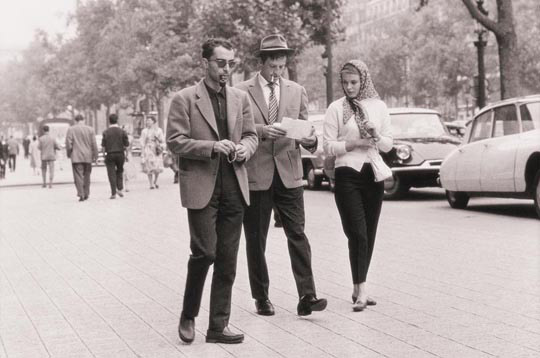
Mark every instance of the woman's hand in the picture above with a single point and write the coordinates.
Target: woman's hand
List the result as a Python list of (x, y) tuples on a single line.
[(370, 128)]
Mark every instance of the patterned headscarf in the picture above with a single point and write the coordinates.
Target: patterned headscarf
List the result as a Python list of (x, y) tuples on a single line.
[(367, 90)]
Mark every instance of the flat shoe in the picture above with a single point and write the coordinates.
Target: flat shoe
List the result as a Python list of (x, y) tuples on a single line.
[(370, 301), (359, 306)]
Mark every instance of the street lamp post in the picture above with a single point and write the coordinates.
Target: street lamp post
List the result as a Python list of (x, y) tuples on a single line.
[(480, 45)]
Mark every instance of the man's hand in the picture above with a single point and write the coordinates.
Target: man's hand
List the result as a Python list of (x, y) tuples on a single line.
[(310, 140), (273, 131), (224, 146), (241, 152)]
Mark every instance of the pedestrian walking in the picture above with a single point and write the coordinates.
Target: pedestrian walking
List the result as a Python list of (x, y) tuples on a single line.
[(356, 127), (275, 177), (13, 152), (130, 171), (26, 146), (152, 142), (114, 142), (210, 128), (81, 147), (47, 147), (35, 155), (3, 157)]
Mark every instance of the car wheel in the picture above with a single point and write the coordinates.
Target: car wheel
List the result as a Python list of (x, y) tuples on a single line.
[(457, 199), (537, 194), (394, 188), (313, 181)]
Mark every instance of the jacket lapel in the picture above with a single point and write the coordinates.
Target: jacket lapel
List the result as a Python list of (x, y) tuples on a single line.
[(283, 99), (255, 91), (232, 108), (205, 106)]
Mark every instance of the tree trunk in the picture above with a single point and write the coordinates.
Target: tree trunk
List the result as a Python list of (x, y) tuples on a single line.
[(509, 65), (505, 33), (329, 72), (292, 69)]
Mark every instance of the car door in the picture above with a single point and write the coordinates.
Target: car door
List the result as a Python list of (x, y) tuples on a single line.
[(498, 160), (470, 155)]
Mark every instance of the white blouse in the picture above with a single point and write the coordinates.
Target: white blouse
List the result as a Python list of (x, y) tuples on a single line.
[(336, 133)]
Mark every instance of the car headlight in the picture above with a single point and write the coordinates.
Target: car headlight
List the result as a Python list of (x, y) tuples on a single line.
[(403, 152)]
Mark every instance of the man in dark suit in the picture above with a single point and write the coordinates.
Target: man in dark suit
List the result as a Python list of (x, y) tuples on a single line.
[(81, 147), (275, 177), (114, 142), (210, 127)]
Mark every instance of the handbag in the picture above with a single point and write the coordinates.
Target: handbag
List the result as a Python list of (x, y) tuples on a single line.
[(380, 169)]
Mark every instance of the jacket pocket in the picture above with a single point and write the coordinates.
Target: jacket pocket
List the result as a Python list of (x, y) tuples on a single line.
[(296, 163)]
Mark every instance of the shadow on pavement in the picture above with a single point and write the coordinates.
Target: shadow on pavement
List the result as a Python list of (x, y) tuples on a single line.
[(525, 210), (423, 195)]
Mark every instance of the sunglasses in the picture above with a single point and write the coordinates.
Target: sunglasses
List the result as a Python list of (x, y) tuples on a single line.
[(221, 63)]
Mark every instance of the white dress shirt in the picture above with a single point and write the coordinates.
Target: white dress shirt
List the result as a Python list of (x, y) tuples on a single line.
[(266, 89)]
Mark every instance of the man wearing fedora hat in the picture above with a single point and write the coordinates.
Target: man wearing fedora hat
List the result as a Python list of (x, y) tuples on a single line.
[(275, 177)]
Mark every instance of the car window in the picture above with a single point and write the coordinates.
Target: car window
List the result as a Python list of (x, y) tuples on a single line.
[(530, 116), (417, 125), (506, 122), (481, 127)]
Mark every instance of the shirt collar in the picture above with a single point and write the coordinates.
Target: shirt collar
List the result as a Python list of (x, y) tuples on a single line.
[(213, 92), (264, 83), (113, 125)]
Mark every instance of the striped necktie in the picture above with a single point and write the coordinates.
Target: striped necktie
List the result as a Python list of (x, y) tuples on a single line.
[(272, 104)]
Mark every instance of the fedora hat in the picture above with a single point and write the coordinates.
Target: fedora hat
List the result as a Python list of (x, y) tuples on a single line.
[(273, 43)]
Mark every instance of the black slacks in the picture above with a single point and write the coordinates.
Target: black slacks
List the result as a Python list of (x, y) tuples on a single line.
[(215, 235), (115, 170), (359, 200), (289, 203), (81, 176), (12, 162)]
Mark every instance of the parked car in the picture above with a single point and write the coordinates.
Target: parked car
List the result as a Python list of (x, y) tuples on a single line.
[(421, 142), (313, 163), (136, 148), (501, 157), (456, 128)]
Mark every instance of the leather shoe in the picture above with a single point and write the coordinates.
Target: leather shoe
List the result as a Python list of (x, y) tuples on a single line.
[(120, 194), (226, 336), (186, 329), (310, 303), (264, 307)]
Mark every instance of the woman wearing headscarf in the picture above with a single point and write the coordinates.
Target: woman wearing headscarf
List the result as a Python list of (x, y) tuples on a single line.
[(356, 127)]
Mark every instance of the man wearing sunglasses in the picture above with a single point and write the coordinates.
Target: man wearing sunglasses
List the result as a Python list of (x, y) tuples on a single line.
[(211, 129), (275, 177)]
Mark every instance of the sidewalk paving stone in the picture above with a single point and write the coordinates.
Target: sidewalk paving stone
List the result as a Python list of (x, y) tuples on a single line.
[(104, 278)]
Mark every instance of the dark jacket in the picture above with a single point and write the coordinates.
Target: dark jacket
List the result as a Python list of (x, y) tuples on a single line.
[(115, 140)]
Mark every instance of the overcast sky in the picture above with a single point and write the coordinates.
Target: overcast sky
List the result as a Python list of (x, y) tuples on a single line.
[(20, 18)]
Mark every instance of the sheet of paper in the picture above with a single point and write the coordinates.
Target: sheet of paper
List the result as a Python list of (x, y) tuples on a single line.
[(296, 128)]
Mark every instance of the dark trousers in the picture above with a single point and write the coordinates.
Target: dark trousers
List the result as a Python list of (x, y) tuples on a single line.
[(359, 200), (81, 176), (289, 203), (115, 170), (50, 165), (215, 235), (12, 162)]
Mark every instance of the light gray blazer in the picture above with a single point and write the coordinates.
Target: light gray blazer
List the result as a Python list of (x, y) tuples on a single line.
[(81, 145)]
